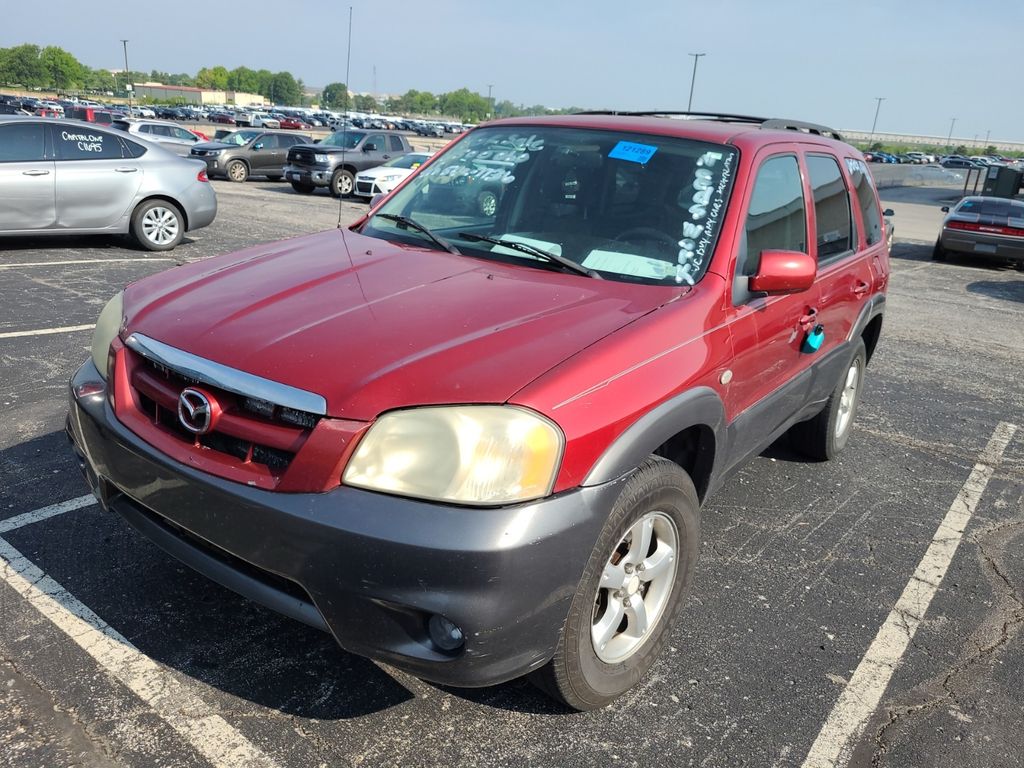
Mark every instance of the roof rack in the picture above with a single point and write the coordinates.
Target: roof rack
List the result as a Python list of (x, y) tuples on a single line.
[(725, 117)]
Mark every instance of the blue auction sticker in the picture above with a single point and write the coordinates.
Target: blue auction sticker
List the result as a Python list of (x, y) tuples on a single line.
[(634, 153)]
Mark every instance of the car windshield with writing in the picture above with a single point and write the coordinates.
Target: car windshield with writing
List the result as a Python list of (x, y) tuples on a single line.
[(241, 138), (629, 207), (343, 139)]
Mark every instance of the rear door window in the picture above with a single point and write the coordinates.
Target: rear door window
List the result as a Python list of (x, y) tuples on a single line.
[(831, 207), (22, 143), (396, 143), (776, 217), (864, 187), (75, 143)]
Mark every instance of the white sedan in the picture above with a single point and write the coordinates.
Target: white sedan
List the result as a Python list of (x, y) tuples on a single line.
[(384, 178)]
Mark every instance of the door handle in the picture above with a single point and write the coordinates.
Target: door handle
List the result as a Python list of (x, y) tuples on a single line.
[(860, 288), (810, 319), (126, 170), (35, 173)]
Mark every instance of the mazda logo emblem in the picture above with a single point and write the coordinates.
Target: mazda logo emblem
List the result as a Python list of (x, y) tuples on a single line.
[(197, 411)]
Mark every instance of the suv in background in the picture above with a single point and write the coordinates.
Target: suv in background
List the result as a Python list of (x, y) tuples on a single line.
[(335, 161), (247, 152), (476, 445)]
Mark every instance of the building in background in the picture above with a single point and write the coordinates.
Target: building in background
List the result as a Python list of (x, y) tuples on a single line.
[(180, 93)]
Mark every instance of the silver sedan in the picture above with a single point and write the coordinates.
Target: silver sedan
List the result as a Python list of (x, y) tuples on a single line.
[(70, 177)]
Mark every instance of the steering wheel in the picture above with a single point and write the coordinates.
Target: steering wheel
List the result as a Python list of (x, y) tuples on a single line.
[(649, 233)]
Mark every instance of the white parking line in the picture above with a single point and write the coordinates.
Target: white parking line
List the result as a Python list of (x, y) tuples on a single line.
[(858, 701), (37, 515), (46, 331), (82, 261), (191, 717)]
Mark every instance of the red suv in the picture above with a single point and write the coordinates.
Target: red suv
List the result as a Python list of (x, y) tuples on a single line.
[(474, 443)]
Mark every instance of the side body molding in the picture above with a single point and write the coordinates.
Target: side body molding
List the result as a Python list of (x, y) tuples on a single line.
[(700, 406)]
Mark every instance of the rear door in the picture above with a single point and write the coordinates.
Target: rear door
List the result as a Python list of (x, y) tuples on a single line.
[(27, 198), (770, 375), (267, 154), (96, 183)]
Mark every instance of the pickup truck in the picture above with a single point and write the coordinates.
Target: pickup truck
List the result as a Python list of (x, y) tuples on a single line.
[(336, 160)]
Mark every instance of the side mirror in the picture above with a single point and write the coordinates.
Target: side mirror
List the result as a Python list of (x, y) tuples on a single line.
[(371, 147), (376, 199), (888, 212), (782, 272), (944, 209), (256, 147)]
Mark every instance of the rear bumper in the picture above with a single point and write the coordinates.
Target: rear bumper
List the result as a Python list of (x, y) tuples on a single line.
[(200, 203), (367, 567), (982, 244)]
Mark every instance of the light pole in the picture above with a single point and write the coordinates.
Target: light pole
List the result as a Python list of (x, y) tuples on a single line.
[(127, 77), (874, 124), (949, 140), (490, 102), (693, 79), (987, 134)]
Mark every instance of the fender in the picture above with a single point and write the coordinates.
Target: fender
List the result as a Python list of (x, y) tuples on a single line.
[(696, 407)]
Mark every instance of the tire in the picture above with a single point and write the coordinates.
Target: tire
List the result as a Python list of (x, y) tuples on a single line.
[(302, 188), (586, 673), (275, 177), (487, 203), (237, 171), (938, 252), (342, 183), (825, 436), (158, 225)]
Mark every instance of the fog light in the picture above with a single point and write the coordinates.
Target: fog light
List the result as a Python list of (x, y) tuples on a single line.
[(444, 634)]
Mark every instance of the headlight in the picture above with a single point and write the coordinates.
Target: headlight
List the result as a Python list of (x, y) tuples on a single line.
[(213, 152), (107, 326), (392, 177), (470, 454), (320, 158)]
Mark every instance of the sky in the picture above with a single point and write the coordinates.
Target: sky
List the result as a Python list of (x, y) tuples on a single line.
[(822, 61)]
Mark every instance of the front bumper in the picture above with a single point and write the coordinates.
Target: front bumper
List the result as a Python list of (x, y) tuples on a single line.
[(318, 176), (368, 567)]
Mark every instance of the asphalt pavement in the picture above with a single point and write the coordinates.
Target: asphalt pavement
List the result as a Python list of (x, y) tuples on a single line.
[(113, 654)]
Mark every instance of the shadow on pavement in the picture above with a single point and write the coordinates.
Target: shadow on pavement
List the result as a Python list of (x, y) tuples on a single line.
[(1004, 291)]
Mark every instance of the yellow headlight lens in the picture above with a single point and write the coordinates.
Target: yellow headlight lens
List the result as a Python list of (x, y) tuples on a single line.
[(107, 326)]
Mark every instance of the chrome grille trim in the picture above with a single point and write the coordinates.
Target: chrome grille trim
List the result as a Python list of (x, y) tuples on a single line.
[(230, 379)]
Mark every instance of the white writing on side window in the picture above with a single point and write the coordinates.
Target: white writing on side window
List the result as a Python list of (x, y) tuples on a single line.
[(86, 142)]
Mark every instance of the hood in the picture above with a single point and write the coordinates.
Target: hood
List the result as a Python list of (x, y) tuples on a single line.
[(207, 145), (375, 326)]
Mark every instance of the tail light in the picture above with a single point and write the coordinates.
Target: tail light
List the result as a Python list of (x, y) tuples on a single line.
[(201, 176), (991, 229)]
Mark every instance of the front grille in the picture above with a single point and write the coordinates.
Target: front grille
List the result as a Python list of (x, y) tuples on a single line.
[(364, 186), (251, 431), (302, 155)]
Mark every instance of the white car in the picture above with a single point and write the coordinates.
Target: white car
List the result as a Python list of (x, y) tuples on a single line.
[(384, 178), (170, 136)]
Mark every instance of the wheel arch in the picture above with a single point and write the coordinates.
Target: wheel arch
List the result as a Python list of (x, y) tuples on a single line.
[(869, 324), (166, 199), (688, 430)]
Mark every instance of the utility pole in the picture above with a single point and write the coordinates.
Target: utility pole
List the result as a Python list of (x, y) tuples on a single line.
[(949, 141), (874, 125), (693, 79), (127, 77), (490, 102), (987, 134)]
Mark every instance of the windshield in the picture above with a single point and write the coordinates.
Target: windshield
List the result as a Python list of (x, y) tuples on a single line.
[(240, 137), (630, 207), (343, 139), (410, 160)]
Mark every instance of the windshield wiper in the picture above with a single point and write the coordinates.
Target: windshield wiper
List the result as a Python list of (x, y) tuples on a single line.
[(554, 258), (412, 224)]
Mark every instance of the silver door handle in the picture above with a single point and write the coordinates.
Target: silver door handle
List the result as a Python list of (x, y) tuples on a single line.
[(35, 173), (126, 170)]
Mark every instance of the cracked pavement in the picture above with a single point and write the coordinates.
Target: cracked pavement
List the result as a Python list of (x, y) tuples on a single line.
[(801, 563)]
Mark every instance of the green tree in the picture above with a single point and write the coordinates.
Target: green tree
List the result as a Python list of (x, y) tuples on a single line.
[(284, 89), (263, 79), (365, 103), (23, 66), (62, 69), (243, 79), (334, 96), (463, 104), (215, 79)]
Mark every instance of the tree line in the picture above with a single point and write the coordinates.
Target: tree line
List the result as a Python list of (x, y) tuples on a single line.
[(31, 66)]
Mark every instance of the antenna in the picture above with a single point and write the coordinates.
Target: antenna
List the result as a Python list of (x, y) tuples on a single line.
[(344, 120)]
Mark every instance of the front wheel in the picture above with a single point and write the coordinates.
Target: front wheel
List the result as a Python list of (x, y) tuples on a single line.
[(158, 225), (487, 203), (632, 590), (824, 436), (342, 183), (237, 171)]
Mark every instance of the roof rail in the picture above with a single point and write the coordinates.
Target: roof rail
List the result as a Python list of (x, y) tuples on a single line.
[(725, 117)]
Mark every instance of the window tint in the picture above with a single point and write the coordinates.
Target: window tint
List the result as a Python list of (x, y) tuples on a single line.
[(377, 139), (831, 206), (395, 143), (133, 149), (21, 143), (268, 141), (776, 220), (290, 141), (82, 144), (145, 129), (864, 186), (181, 133), (993, 207)]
